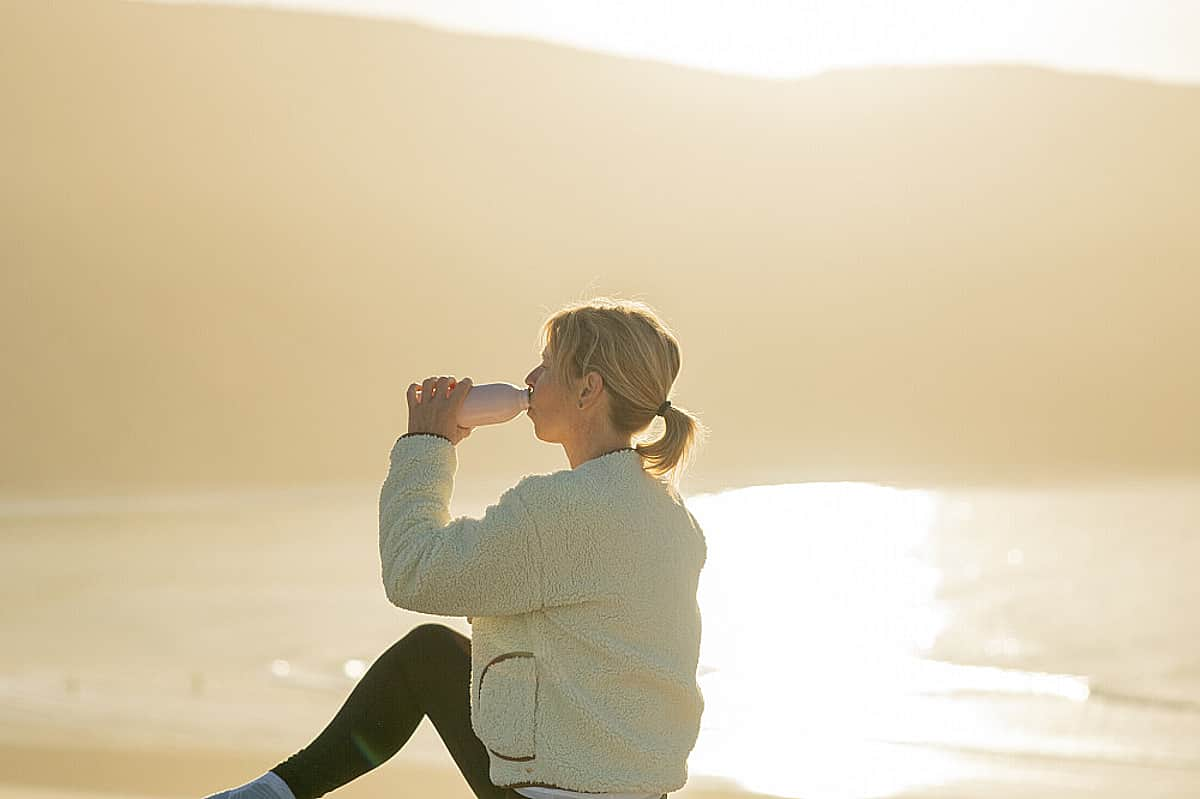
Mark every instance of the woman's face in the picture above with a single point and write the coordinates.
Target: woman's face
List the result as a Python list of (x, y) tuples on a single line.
[(547, 402)]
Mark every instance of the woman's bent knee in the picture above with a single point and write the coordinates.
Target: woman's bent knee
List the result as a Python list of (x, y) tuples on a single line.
[(429, 641)]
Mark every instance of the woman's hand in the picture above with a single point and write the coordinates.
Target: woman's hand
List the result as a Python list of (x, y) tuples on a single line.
[(436, 409)]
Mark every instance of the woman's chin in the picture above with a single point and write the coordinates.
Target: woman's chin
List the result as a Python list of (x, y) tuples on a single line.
[(539, 433)]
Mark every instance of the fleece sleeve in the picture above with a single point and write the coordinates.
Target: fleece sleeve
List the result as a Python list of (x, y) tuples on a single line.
[(465, 566)]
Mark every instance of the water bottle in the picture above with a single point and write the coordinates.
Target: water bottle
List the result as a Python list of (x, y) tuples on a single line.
[(490, 403)]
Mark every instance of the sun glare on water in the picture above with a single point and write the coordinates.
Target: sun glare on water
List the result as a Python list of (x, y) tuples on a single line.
[(812, 597), (819, 609)]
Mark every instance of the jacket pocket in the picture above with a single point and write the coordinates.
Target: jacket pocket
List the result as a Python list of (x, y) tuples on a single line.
[(508, 688)]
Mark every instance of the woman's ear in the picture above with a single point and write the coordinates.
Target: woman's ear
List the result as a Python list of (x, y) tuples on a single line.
[(595, 383)]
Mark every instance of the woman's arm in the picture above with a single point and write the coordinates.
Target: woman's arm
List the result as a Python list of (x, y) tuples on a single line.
[(431, 564)]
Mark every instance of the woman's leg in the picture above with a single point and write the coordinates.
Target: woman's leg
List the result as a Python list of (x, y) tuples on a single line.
[(426, 673)]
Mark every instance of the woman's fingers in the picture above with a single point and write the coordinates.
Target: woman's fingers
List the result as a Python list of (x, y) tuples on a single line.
[(439, 386)]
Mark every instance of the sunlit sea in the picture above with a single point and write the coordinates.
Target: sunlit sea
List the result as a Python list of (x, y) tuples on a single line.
[(858, 640)]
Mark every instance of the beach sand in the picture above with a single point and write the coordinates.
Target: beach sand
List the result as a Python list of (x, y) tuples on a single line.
[(66, 772), (72, 772)]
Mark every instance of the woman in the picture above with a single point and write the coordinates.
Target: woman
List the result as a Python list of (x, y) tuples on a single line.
[(580, 586)]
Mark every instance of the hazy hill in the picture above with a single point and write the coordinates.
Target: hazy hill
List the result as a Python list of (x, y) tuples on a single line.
[(231, 237)]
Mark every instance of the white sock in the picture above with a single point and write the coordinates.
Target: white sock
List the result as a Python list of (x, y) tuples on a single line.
[(268, 786)]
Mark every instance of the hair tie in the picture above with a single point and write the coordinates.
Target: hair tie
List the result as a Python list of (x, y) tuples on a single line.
[(662, 409)]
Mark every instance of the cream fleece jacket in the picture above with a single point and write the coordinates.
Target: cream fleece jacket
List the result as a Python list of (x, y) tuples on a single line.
[(586, 630)]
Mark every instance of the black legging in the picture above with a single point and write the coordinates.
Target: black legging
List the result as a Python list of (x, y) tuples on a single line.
[(425, 673)]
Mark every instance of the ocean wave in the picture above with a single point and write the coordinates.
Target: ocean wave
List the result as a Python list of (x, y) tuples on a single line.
[(1175, 704), (931, 677)]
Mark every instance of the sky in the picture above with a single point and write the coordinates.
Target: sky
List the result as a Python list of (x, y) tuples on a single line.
[(1146, 39)]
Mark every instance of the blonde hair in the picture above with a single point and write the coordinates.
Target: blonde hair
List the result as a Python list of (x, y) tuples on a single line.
[(637, 355)]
